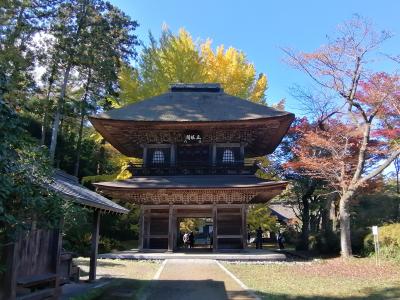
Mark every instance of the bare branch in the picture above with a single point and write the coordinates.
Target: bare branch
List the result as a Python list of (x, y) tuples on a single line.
[(380, 169)]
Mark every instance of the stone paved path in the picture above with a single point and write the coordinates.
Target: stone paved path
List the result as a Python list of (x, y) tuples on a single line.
[(194, 279)]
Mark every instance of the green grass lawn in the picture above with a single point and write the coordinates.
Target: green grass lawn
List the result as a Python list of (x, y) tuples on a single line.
[(128, 275), (357, 278)]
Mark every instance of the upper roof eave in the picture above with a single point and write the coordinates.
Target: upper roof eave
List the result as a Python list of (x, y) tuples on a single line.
[(191, 107)]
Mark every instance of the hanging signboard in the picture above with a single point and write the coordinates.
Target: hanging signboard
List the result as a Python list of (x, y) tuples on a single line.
[(192, 137)]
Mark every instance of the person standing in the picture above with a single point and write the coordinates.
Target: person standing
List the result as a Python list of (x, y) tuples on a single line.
[(281, 240), (191, 239), (186, 239), (259, 237)]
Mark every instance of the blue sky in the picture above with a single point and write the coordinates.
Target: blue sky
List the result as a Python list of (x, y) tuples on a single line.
[(260, 28)]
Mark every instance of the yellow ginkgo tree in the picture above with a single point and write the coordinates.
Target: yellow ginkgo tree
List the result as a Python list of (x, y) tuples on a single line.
[(178, 58)]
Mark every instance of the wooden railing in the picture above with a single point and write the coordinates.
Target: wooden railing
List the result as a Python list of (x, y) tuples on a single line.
[(192, 168)]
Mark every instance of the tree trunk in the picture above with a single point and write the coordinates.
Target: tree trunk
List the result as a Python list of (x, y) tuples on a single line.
[(102, 154), (305, 226), (79, 142), (60, 141), (58, 114), (326, 223), (45, 114), (397, 170), (305, 218), (344, 219)]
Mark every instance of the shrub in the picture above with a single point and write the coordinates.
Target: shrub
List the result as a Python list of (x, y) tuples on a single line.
[(389, 241), (325, 242), (107, 245)]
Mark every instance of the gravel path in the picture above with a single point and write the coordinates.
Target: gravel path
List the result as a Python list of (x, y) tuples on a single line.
[(194, 279)]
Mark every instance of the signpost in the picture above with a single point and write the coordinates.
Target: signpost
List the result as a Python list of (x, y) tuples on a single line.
[(376, 243)]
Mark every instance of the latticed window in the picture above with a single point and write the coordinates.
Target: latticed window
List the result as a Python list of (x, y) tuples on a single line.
[(228, 156), (158, 157)]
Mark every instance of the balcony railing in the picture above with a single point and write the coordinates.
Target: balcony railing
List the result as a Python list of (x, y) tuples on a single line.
[(192, 168)]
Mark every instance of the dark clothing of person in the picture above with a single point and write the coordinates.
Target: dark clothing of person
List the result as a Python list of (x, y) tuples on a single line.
[(191, 240), (281, 240), (259, 234)]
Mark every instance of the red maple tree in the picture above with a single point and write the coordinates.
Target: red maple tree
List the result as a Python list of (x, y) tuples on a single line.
[(360, 136)]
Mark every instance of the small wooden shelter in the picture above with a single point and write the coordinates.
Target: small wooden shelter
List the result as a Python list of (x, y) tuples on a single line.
[(198, 146), (33, 268)]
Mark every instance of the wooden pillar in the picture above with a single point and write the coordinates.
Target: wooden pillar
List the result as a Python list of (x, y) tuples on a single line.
[(144, 156), (141, 228), (9, 283), (95, 245), (244, 225), (173, 155), (148, 227), (171, 229), (215, 229), (214, 154), (57, 259)]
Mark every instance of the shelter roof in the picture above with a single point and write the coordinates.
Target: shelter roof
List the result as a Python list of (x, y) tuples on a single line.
[(284, 212), (68, 186)]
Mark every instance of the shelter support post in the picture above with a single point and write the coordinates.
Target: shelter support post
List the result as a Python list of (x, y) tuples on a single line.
[(95, 245)]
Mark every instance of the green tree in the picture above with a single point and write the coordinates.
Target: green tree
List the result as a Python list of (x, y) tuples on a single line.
[(25, 198), (86, 32), (20, 21), (259, 215)]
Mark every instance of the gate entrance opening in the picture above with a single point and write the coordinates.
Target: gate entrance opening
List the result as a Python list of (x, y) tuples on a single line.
[(216, 227), (198, 231)]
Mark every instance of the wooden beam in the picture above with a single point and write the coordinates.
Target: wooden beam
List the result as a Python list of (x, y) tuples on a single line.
[(229, 236), (95, 245), (157, 236)]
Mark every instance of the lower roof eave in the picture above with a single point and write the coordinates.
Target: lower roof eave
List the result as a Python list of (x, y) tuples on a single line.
[(250, 194)]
